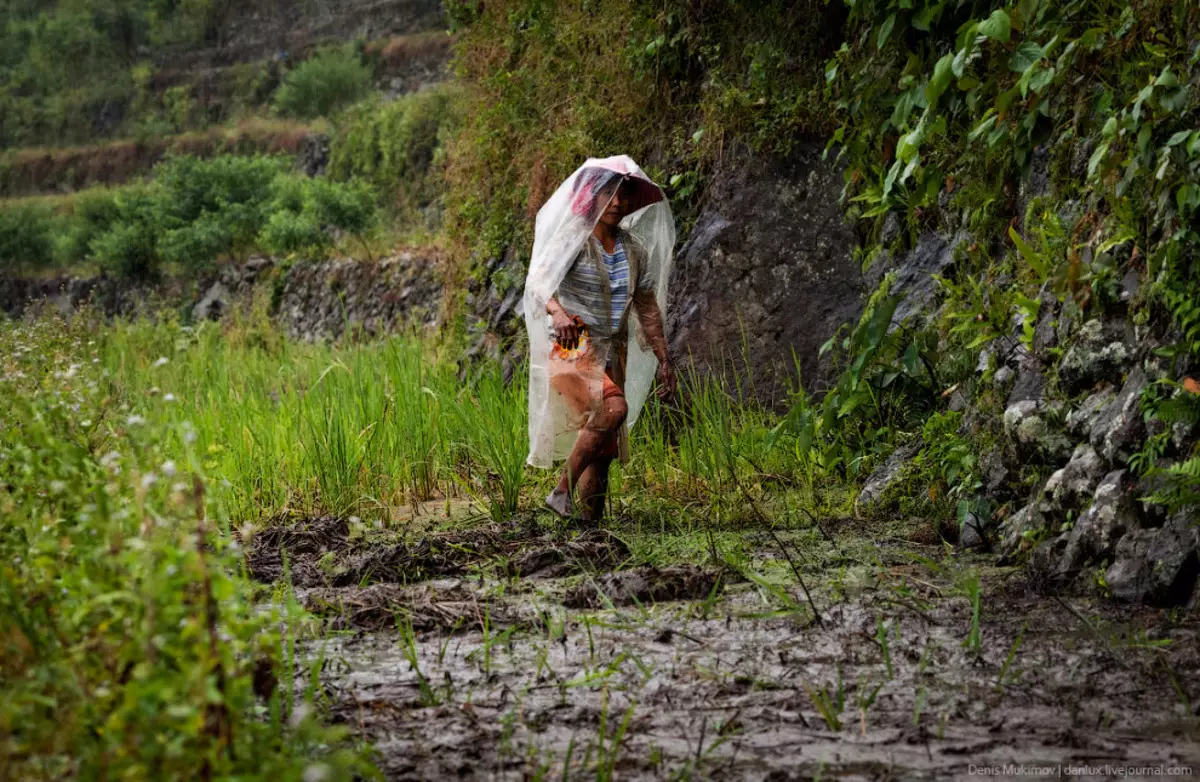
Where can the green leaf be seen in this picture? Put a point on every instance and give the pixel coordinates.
(998, 26)
(1110, 128)
(885, 31)
(1179, 137)
(1031, 256)
(910, 358)
(924, 20)
(1026, 55)
(983, 127)
(943, 71)
(1097, 158)
(960, 63)
(831, 70)
(1040, 79)
(1166, 78)
(1174, 101)
(890, 181)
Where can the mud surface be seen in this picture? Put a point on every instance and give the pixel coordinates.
(321, 552)
(683, 673)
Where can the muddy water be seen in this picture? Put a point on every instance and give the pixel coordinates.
(739, 681)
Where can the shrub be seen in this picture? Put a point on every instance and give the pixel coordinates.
(127, 248)
(92, 212)
(25, 238)
(305, 210)
(292, 232)
(213, 207)
(399, 146)
(319, 85)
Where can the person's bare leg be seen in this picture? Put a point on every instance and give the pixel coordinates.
(593, 489)
(592, 438)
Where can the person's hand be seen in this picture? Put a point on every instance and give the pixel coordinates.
(566, 329)
(666, 380)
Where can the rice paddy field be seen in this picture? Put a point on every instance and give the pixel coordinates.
(224, 554)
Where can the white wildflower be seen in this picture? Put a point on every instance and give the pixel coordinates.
(135, 420)
(168, 468)
(168, 397)
(148, 480)
(162, 362)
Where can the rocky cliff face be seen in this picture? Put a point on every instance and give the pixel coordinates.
(767, 274)
(1057, 417)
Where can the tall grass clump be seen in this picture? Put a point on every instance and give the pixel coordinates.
(493, 434)
(129, 645)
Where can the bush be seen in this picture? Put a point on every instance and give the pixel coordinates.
(25, 238)
(193, 213)
(292, 232)
(399, 146)
(213, 207)
(327, 81)
(305, 210)
(128, 247)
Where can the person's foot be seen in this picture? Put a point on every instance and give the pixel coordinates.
(559, 501)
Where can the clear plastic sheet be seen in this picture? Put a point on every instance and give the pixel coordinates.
(564, 389)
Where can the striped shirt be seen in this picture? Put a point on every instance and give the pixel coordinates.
(582, 290)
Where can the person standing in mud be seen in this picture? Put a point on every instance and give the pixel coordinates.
(594, 301)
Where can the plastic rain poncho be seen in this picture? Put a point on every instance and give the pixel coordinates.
(565, 387)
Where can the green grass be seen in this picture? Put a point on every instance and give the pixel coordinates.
(281, 428)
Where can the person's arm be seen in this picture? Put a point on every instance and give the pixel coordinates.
(651, 317)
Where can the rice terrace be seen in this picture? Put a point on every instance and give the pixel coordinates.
(564, 390)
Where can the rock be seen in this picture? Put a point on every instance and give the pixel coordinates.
(985, 361)
(1157, 566)
(1117, 430)
(973, 533)
(314, 154)
(995, 473)
(214, 303)
(1081, 420)
(324, 299)
(1017, 413)
(1045, 335)
(1098, 354)
(1077, 480)
(958, 401)
(913, 282)
(1003, 378)
(767, 274)
(1021, 527)
(1031, 383)
(1032, 430)
(1130, 284)
(891, 229)
(1042, 569)
(1097, 531)
(1026, 423)
(883, 476)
